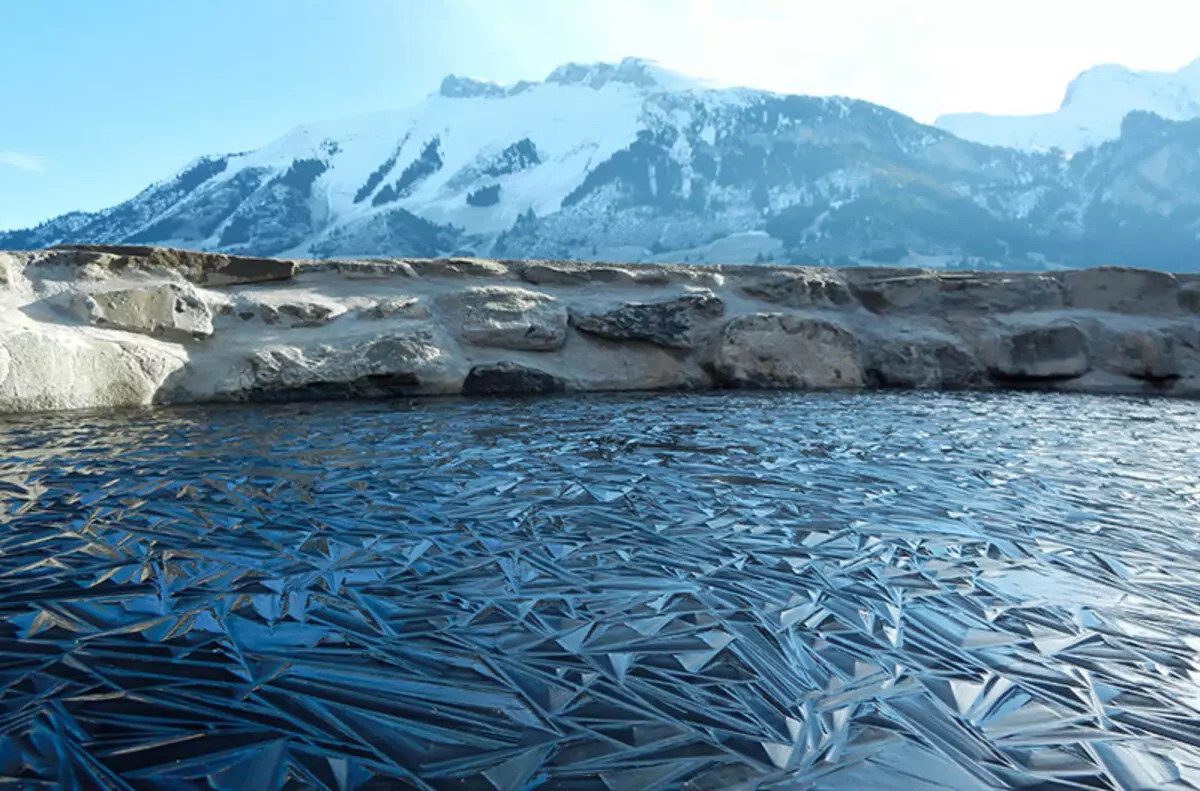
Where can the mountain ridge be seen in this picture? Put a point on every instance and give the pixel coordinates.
(632, 161)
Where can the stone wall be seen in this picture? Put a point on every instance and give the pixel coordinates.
(102, 327)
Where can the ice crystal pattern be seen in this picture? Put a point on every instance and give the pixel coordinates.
(620, 594)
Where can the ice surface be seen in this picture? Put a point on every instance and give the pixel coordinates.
(684, 592)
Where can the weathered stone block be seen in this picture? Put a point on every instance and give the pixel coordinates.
(677, 323)
(169, 310)
(1122, 290)
(400, 308)
(506, 317)
(1049, 352)
(509, 378)
(773, 350)
(923, 362)
(209, 269)
(799, 290)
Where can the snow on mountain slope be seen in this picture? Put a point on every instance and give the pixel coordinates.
(1096, 103)
(630, 161)
(474, 156)
(460, 140)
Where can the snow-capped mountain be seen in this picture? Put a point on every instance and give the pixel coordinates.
(631, 161)
(1096, 103)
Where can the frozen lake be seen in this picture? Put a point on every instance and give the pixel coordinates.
(703, 592)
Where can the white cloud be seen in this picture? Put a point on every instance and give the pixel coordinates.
(21, 161)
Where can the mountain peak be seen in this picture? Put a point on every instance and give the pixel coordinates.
(640, 73)
(1093, 107)
(455, 87)
(1097, 78)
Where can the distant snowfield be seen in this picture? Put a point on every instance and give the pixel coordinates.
(1096, 103)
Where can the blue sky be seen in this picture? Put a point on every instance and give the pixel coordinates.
(101, 97)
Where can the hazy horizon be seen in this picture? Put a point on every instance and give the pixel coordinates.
(104, 100)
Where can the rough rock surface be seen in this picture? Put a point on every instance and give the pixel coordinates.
(1151, 355)
(1056, 351)
(57, 369)
(456, 267)
(1189, 297)
(890, 291)
(370, 270)
(800, 289)
(401, 308)
(169, 310)
(349, 329)
(925, 362)
(504, 317)
(676, 323)
(1122, 290)
(567, 275)
(402, 364)
(300, 312)
(7, 264)
(209, 269)
(777, 350)
(508, 378)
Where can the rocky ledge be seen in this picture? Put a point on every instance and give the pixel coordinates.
(85, 327)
